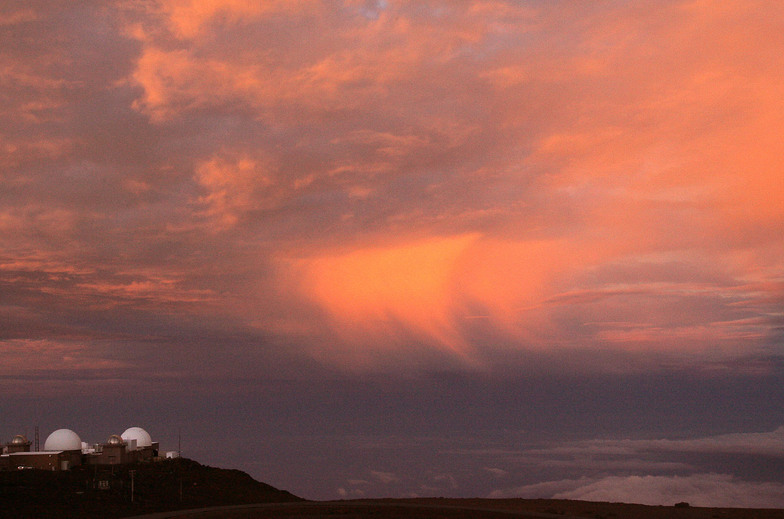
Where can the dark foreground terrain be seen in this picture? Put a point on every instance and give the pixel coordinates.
(185, 489)
(105, 492)
(468, 509)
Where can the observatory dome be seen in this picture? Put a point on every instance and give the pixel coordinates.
(19, 439)
(141, 436)
(115, 440)
(63, 440)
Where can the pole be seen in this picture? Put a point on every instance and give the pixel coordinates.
(132, 472)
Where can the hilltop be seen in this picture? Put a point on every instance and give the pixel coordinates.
(105, 491)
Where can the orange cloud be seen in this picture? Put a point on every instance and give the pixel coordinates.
(347, 62)
(233, 187)
(13, 17)
(534, 173)
(434, 287)
(188, 17)
(372, 291)
(50, 356)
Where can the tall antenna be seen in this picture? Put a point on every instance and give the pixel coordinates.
(179, 442)
(37, 411)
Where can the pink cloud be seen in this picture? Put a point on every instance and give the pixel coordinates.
(233, 188)
(187, 19)
(408, 172)
(371, 291)
(51, 356)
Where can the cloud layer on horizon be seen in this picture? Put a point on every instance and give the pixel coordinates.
(712, 490)
(390, 185)
(653, 472)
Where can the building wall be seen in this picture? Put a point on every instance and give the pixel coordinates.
(111, 454)
(18, 447)
(38, 460)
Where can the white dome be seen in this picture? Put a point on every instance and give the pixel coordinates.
(141, 436)
(63, 440)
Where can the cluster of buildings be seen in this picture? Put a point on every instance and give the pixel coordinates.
(64, 449)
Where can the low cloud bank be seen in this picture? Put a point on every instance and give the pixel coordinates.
(715, 490)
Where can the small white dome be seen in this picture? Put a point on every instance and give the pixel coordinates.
(63, 440)
(141, 436)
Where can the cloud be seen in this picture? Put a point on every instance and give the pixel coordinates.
(51, 356)
(657, 472)
(406, 184)
(408, 284)
(638, 455)
(353, 492)
(187, 19)
(384, 477)
(499, 473)
(445, 480)
(521, 211)
(756, 443)
(233, 188)
(714, 490)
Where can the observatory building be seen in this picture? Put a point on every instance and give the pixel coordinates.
(19, 444)
(64, 449)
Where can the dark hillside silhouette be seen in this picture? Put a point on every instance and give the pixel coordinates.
(91, 491)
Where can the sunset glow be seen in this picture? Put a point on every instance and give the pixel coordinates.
(212, 194)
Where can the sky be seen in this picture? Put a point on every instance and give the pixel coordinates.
(365, 248)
